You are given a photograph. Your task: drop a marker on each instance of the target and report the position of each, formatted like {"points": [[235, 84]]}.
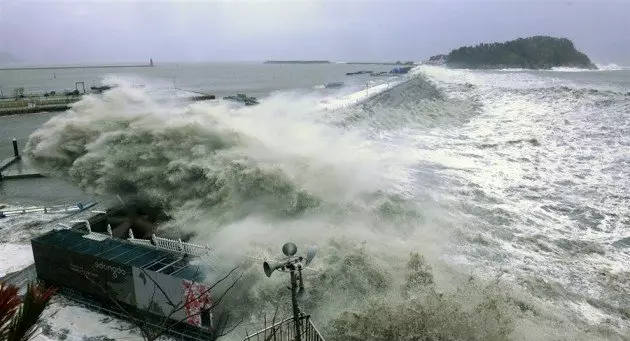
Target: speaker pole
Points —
{"points": [[296, 309], [293, 264]]}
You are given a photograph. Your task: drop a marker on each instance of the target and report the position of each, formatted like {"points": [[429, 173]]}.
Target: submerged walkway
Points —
{"points": [[13, 168]]}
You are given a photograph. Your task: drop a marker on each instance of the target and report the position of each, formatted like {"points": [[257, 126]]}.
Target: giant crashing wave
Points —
{"points": [[254, 178]]}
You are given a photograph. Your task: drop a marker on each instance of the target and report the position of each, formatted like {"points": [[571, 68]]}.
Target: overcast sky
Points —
{"points": [[63, 31]]}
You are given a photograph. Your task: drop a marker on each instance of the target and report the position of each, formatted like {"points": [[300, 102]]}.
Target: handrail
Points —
{"points": [[49, 209], [285, 331]]}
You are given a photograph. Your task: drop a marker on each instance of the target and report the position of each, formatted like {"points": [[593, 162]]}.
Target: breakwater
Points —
{"points": [[65, 67]]}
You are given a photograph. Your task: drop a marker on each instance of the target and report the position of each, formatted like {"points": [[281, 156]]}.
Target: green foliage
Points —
{"points": [[539, 52], [18, 92]]}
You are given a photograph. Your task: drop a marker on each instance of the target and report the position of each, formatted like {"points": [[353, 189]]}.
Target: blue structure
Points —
{"points": [[401, 70], [154, 279]]}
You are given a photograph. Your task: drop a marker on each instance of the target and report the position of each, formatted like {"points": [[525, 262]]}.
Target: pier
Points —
{"points": [[54, 101], [21, 103], [6, 165], [66, 67]]}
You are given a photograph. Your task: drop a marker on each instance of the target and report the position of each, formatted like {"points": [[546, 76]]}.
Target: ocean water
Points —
{"points": [[220, 79], [512, 187]]}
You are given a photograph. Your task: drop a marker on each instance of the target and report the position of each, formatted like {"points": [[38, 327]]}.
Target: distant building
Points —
{"points": [[151, 62]]}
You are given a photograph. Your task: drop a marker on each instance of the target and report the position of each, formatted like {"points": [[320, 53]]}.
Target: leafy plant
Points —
{"points": [[18, 316], [9, 304]]}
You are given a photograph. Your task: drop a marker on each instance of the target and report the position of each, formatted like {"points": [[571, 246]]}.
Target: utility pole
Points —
{"points": [[296, 309], [293, 264]]}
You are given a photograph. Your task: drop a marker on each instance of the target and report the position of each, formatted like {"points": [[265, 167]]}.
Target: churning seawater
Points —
{"points": [[460, 205]]}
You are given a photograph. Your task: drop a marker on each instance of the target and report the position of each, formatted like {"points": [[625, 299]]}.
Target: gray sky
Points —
{"points": [[64, 31]]}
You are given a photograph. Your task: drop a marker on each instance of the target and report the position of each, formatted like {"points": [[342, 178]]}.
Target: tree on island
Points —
{"points": [[539, 52]]}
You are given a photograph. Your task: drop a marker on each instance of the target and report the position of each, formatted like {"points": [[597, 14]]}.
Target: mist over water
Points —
{"points": [[418, 169]]}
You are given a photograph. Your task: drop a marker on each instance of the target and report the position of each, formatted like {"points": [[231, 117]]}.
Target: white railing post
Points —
{"points": [[86, 222]]}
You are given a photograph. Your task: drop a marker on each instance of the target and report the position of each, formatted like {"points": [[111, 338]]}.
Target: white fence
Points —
{"points": [[177, 246], [180, 246], [141, 241]]}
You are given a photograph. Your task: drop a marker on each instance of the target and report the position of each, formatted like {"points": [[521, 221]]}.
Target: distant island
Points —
{"points": [[7, 58], [297, 62], [538, 52]]}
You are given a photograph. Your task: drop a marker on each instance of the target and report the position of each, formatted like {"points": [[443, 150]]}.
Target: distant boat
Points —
{"points": [[358, 73], [401, 70], [242, 98], [333, 85], [100, 89]]}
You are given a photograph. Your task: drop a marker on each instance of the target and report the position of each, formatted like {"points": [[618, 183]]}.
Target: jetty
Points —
{"points": [[8, 174], [36, 105], [53, 101], [66, 67]]}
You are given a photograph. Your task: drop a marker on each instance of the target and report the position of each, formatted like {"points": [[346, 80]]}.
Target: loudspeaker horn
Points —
{"points": [[269, 269], [310, 254]]}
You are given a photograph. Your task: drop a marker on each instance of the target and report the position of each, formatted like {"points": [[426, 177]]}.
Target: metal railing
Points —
{"points": [[285, 331], [180, 246], [50, 209]]}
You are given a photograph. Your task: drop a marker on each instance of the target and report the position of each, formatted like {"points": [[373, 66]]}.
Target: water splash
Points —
{"points": [[367, 184]]}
